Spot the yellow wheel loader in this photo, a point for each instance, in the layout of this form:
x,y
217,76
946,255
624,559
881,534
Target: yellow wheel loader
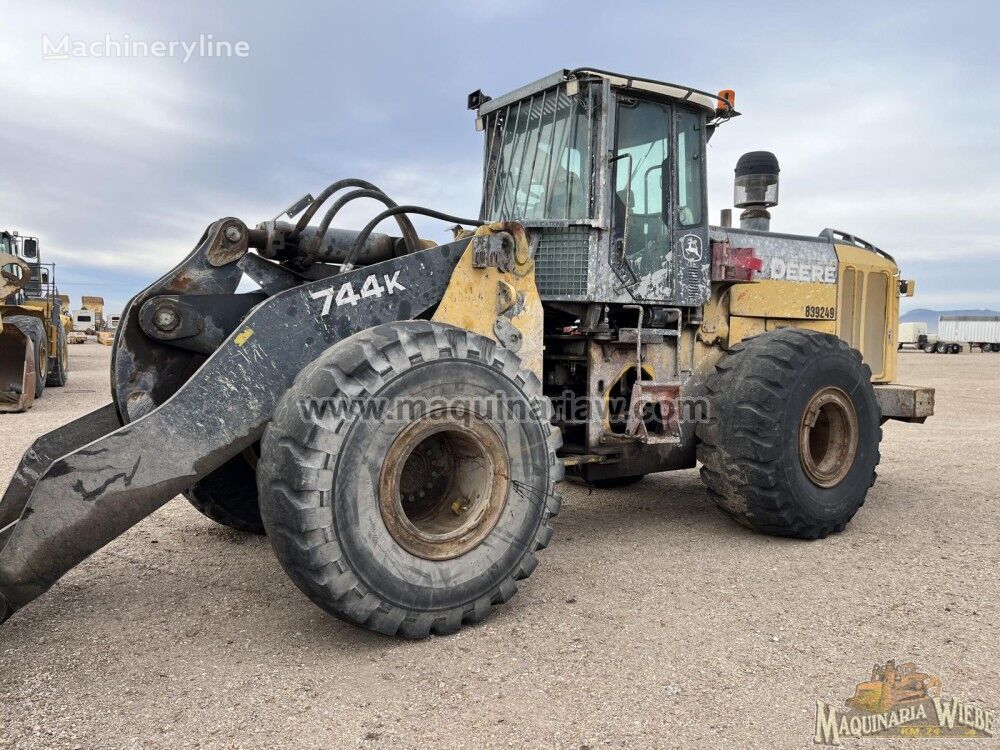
x,y
33,309
396,415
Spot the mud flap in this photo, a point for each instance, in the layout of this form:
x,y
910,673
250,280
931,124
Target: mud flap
x,y
95,492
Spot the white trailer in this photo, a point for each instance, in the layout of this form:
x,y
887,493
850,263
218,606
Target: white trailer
x,y
980,331
84,320
912,335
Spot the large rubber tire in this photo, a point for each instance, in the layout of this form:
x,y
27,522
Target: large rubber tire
x,y
59,364
750,445
32,328
321,479
229,496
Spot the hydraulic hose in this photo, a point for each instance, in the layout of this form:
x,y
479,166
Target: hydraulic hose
x,y
409,234
396,211
405,225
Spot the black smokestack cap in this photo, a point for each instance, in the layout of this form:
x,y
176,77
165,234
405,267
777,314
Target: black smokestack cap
x,y
757,162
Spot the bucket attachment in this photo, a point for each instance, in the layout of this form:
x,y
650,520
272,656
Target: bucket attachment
x,y
17,370
179,416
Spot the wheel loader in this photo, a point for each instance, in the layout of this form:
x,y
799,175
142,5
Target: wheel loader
x,y
396,414
33,345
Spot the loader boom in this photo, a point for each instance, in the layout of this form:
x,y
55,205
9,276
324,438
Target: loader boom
x,y
95,492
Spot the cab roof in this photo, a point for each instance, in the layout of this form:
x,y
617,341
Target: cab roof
x,y
685,94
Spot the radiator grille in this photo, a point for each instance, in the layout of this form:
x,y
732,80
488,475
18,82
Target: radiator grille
x,y
561,262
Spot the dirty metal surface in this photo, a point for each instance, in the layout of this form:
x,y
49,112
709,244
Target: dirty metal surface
x,y
905,402
785,257
43,452
146,372
91,495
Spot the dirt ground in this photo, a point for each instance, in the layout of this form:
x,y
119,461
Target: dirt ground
x,y
652,621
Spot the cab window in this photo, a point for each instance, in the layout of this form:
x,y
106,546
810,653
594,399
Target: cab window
x,y
690,163
641,170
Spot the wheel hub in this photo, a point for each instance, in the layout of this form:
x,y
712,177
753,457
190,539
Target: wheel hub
x,y
444,484
828,437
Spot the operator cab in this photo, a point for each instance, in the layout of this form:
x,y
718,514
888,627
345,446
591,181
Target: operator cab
x,y
609,172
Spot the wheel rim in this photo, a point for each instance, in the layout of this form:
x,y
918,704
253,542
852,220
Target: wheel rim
x,y
828,437
444,484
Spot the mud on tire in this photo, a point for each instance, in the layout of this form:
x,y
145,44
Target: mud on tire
x,y
368,536
756,462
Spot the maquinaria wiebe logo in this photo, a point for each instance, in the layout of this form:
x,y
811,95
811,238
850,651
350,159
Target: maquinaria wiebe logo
x,y
901,701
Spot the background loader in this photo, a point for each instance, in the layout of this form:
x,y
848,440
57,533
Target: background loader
x,y
395,415
34,318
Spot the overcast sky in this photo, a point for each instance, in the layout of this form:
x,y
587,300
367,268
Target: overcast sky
x,y
883,116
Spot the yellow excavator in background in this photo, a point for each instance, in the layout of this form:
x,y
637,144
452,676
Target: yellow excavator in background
x,y
33,342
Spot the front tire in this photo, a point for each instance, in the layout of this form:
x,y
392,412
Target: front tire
x,y
791,443
408,522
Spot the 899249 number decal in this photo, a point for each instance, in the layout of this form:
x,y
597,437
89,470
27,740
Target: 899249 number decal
x,y
817,311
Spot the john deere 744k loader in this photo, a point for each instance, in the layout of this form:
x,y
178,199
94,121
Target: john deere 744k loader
x,y
383,407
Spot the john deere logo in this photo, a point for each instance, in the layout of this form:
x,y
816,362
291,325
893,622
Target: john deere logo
x,y
691,247
900,701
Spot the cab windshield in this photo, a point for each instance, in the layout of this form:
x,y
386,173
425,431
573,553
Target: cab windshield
x,y
538,158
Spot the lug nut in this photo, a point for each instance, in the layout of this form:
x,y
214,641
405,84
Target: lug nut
x,y
233,234
166,319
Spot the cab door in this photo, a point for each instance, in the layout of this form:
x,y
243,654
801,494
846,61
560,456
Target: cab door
x,y
659,232
689,231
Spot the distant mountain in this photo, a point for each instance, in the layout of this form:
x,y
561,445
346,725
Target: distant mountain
x,y
930,317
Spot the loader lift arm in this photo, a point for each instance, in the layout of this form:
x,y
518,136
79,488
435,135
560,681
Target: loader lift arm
x,y
106,482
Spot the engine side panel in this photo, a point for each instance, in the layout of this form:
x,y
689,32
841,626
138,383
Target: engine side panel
x,y
812,283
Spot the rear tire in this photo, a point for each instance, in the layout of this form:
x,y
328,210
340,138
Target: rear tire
x,y
32,328
391,523
229,495
791,443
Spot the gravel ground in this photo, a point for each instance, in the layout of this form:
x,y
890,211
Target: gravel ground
x,y
653,621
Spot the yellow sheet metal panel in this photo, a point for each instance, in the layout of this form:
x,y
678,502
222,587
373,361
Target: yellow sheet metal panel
x,y
477,299
869,308
785,299
823,326
744,327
